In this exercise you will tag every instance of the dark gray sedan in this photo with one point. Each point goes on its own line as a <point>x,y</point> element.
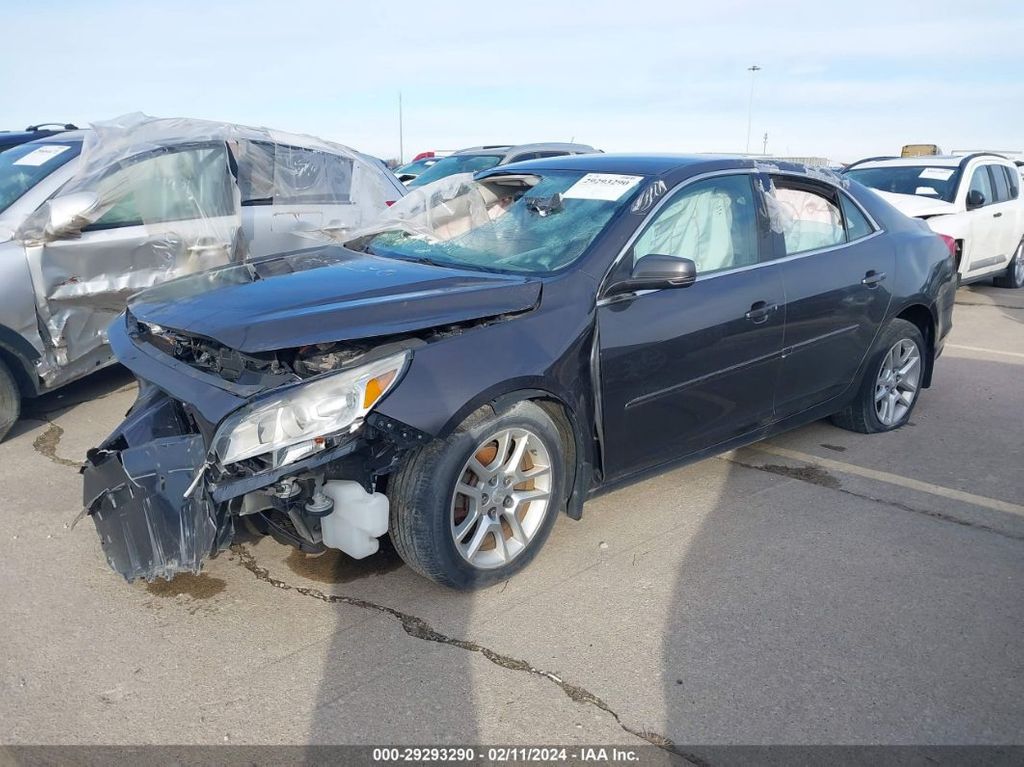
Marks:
<point>503,346</point>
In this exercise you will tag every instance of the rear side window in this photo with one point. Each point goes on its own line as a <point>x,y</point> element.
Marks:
<point>810,220</point>
<point>1012,180</point>
<point>1001,187</point>
<point>857,224</point>
<point>271,174</point>
<point>1015,180</point>
<point>980,182</point>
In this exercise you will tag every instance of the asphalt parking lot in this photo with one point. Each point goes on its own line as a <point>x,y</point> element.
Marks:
<point>826,587</point>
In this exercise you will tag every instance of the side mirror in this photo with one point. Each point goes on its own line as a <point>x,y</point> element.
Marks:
<point>656,272</point>
<point>975,199</point>
<point>68,212</point>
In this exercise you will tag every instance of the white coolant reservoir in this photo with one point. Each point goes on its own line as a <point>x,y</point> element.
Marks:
<point>359,518</point>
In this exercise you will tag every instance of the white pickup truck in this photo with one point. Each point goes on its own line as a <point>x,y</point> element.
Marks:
<point>975,199</point>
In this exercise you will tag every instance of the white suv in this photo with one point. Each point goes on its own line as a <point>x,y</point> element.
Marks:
<point>975,200</point>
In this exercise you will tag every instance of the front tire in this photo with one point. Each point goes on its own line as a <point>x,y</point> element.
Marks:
<point>475,508</point>
<point>1014,277</point>
<point>10,401</point>
<point>891,384</point>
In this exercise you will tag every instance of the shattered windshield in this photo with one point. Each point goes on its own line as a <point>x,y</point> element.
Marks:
<point>524,223</point>
<point>922,180</point>
<point>456,163</point>
<point>22,167</point>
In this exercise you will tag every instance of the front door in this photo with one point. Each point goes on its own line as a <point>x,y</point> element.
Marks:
<point>685,369</point>
<point>982,248</point>
<point>838,279</point>
<point>159,216</point>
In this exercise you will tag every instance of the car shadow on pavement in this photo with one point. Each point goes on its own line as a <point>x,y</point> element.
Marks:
<point>804,615</point>
<point>1008,301</point>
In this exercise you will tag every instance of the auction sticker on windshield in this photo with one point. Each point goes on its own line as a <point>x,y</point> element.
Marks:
<point>601,186</point>
<point>41,156</point>
<point>938,174</point>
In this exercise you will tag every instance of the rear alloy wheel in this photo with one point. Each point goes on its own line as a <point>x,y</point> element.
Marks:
<point>898,382</point>
<point>1014,277</point>
<point>891,384</point>
<point>10,401</point>
<point>476,507</point>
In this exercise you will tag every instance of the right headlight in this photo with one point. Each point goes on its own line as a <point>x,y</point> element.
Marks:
<point>294,424</point>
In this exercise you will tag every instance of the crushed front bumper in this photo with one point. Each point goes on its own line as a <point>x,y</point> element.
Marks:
<point>144,489</point>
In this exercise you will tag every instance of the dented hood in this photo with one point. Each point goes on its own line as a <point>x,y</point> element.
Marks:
<point>917,206</point>
<point>327,294</point>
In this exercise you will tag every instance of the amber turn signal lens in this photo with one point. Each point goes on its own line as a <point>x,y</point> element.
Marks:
<point>375,387</point>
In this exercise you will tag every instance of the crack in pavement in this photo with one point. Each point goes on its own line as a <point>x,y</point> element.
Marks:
<point>821,478</point>
<point>420,629</point>
<point>46,445</point>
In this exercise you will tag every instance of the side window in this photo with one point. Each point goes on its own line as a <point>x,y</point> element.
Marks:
<point>857,224</point>
<point>171,186</point>
<point>524,157</point>
<point>980,182</point>
<point>811,220</point>
<point>270,174</point>
<point>712,222</point>
<point>1000,187</point>
<point>1012,181</point>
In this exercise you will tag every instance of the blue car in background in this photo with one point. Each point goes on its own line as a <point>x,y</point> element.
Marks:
<point>10,138</point>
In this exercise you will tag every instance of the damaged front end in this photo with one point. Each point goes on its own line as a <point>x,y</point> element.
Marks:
<point>300,458</point>
<point>145,490</point>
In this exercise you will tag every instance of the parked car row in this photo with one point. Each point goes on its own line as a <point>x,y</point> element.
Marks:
<point>328,356</point>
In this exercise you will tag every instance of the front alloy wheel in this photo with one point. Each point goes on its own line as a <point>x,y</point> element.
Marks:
<point>474,508</point>
<point>501,499</point>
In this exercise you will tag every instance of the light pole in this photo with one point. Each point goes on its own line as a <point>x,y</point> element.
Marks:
<point>401,138</point>
<point>750,105</point>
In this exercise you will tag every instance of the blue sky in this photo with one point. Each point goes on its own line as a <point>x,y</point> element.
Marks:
<point>840,80</point>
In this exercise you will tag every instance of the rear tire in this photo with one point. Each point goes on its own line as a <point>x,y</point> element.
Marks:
<point>10,401</point>
<point>1014,277</point>
<point>441,506</point>
<point>891,385</point>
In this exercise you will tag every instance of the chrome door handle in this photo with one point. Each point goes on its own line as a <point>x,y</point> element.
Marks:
<point>872,278</point>
<point>759,311</point>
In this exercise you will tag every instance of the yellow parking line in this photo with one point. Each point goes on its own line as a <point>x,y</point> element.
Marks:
<point>892,479</point>
<point>984,350</point>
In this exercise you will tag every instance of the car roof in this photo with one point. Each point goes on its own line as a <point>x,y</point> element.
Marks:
<point>634,164</point>
<point>74,136</point>
<point>933,161</point>
<point>9,138</point>
<point>544,146</point>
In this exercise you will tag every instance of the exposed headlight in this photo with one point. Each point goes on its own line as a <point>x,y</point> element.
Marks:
<point>293,425</point>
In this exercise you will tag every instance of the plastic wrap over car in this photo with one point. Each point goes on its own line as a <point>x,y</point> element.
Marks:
<point>161,198</point>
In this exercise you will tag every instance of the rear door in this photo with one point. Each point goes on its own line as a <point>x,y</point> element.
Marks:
<point>837,270</point>
<point>1005,210</point>
<point>162,214</point>
<point>289,193</point>
<point>685,369</point>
